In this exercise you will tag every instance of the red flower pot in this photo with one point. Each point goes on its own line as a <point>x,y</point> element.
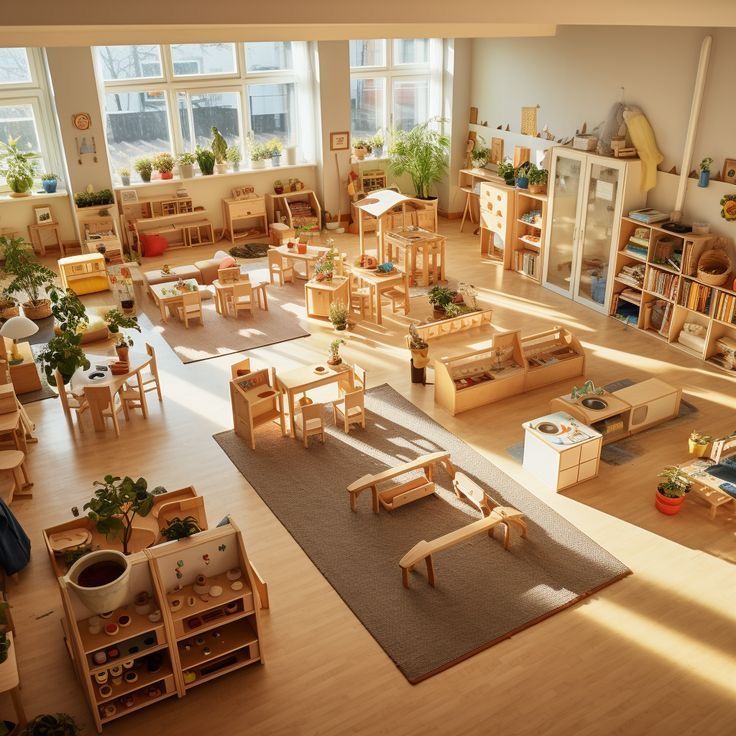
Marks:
<point>667,505</point>
<point>167,174</point>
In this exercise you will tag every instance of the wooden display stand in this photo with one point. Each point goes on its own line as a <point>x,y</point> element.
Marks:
<point>319,295</point>
<point>85,274</point>
<point>512,365</point>
<point>527,243</point>
<point>452,325</point>
<point>300,209</point>
<point>255,401</point>
<point>236,212</point>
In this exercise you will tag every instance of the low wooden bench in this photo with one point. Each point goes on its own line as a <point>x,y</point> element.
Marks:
<point>399,495</point>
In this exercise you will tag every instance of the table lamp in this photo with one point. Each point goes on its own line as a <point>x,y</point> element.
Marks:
<point>18,328</point>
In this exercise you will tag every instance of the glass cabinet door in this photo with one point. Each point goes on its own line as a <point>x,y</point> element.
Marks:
<point>593,267</point>
<point>559,272</point>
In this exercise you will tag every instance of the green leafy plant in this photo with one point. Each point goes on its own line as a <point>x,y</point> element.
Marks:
<point>706,163</point>
<point>505,169</point>
<point>124,171</point>
<point>675,483</point>
<point>538,176</point>
<point>440,297</point>
<point>18,167</point>
<point>524,169</point>
<point>187,158</point>
<point>699,438</point>
<point>422,154</point>
<point>58,724</point>
<point>144,167</point>
<point>163,162</point>
<point>117,502</point>
<point>480,155</point>
<point>63,351</point>
<point>335,350</point>
<point>219,146</point>
<point>94,199</point>
<point>362,143</point>
<point>29,277</point>
<point>378,141</point>
<point>205,159</point>
<point>48,176</point>
<point>178,528</point>
<point>234,155</point>
<point>117,321</point>
<point>7,300</point>
<point>339,315</point>
<point>259,152</point>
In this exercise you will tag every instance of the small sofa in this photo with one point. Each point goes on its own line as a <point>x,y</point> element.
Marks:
<point>211,266</point>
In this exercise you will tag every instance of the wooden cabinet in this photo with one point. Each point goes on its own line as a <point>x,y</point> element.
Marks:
<point>319,295</point>
<point>298,209</point>
<point>245,218</point>
<point>588,194</point>
<point>85,274</point>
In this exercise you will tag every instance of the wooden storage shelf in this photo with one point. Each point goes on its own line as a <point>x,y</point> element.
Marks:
<point>145,680</point>
<point>530,224</point>
<point>168,687</point>
<point>233,636</point>
<point>138,625</point>
<point>93,668</point>
<point>227,663</point>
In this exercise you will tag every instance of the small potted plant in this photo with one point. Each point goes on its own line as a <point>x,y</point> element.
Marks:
<point>537,180</point>
<point>361,148</point>
<point>334,353</point>
<point>440,297</point>
<point>234,156</point>
<point>29,277</point>
<point>144,167</point>
<point>219,148</point>
<point>506,172</point>
<point>185,162</point>
<point>58,724</point>
<point>672,490</point>
<point>8,305</point>
<point>522,174</point>
<point>480,156</point>
<point>705,165</point>
<point>18,167</point>
<point>339,315</point>
<point>377,143</point>
<point>164,164</point>
<point>278,187</point>
<point>258,153</point>
<point>698,444</point>
<point>178,528</point>
<point>116,322</point>
<point>124,176</point>
<point>49,182</point>
<point>419,355</point>
<point>206,160</point>
<point>275,148</point>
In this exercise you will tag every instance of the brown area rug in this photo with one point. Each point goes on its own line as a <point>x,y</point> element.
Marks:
<point>483,595</point>
<point>222,335</point>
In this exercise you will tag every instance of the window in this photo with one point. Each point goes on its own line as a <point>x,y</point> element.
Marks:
<point>393,84</point>
<point>168,98</point>
<point>25,108</point>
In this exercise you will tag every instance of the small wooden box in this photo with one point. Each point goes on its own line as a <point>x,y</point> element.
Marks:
<point>7,398</point>
<point>280,233</point>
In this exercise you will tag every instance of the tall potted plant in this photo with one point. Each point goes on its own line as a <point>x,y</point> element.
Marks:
<point>18,167</point>
<point>206,160</point>
<point>672,490</point>
<point>219,149</point>
<point>28,276</point>
<point>422,154</point>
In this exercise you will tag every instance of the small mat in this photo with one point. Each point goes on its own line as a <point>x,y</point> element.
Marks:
<point>484,594</point>
<point>249,250</point>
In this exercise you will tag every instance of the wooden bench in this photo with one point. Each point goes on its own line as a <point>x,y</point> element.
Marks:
<point>399,495</point>
<point>500,515</point>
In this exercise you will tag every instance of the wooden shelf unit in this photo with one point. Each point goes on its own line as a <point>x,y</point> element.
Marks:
<point>86,273</point>
<point>527,243</point>
<point>300,209</point>
<point>512,365</point>
<point>671,294</point>
<point>236,212</point>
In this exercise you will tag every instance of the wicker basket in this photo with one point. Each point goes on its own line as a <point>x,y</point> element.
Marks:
<point>40,311</point>
<point>714,267</point>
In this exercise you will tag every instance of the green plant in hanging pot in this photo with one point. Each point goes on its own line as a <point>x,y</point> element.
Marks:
<point>164,164</point>
<point>178,528</point>
<point>206,160</point>
<point>672,490</point>
<point>57,724</point>
<point>144,167</point>
<point>28,277</point>
<point>422,153</point>
<point>18,167</point>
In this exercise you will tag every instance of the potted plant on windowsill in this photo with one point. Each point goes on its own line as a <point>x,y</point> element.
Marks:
<point>49,182</point>
<point>164,164</point>
<point>124,176</point>
<point>29,277</point>
<point>361,148</point>
<point>537,180</point>
<point>377,143</point>
<point>422,154</point>
<point>698,444</point>
<point>206,160</point>
<point>186,162</point>
<point>18,167</point>
<point>672,490</point>
<point>705,165</point>
<point>234,157</point>
<point>219,148</point>
<point>144,167</point>
<point>275,148</point>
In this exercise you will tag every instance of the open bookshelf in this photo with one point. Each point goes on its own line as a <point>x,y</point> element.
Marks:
<point>657,290</point>
<point>528,239</point>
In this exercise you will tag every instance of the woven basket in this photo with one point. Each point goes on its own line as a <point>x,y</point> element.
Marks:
<point>714,267</point>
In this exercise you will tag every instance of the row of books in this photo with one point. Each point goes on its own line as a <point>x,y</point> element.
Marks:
<point>637,249</point>
<point>695,296</point>
<point>527,261</point>
<point>662,283</point>
<point>724,307</point>
<point>632,274</point>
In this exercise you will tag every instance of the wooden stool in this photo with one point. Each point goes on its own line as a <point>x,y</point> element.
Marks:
<point>15,461</point>
<point>36,234</point>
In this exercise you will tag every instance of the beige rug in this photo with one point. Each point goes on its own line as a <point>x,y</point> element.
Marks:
<point>220,335</point>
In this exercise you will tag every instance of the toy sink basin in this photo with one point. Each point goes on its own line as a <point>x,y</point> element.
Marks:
<point>548,428</point>
<point>595,403</point>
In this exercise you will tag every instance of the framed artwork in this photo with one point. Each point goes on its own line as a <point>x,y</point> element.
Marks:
<point>43,215</point>
<point>128,196</point>
<point>340,141</point>
<point>729,171</point>
<point>496,150</point>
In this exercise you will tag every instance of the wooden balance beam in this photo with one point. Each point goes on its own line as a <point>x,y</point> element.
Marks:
<point>399,495</point>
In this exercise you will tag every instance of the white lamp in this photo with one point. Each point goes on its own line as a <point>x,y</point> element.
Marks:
<point>18,328</point>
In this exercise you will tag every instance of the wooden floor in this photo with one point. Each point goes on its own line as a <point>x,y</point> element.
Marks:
<point>654,654</point>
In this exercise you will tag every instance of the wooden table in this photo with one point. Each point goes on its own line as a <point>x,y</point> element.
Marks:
<point>168,296</point>
<point>379,284</point>
<point>309,258</point>
<point>301,380</point>
<point>10,680</point>
<point>706,486</point>
<point>431,247</point>
<point>24,375</point>
<point>222,289</point>
<point>319,295</point>
<point>175,273</point>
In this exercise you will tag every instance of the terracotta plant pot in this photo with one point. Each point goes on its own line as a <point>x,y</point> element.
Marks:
<point>167,174</point>
<point>37,311</point>
<point>301,248</point>
<point>667,505</point>
<point>122,353</point>
<point>696,449</point>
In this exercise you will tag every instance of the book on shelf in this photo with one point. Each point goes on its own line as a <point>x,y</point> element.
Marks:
<point>648,215</point>
<point>662,283</point>
<point>631,295</point>
<point>664,330</point>
<point>695,296</point>
<point>639,241</point>
<point>724,307</point>
<point>637,250</point>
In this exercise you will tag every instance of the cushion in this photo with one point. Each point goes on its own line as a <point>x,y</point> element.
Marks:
<point>154,245</point>
<point>220,255</point>
<point>228,262</point>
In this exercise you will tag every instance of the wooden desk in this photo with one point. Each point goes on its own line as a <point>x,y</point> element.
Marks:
<point>10,680</point>
<point>431,247</point>
<point>301,380</point>
<point>379,284</point>
<point>319,295</point>
<point>314,252</point>
<point>24,375</point>
<point>167,296</point>
<point>706,486</point>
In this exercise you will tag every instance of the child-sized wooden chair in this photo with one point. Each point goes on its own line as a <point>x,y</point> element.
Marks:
<point>311,421</point>
<point>240,299</point>
<point>133,395</point>
<point>350,409</point>
<point>106,403</point>
<point>150,379</point>
<point>226,275</point>
<point>360,297</point>
<point>280,268</point>
<point>68,400</point>
<point>191,308</point>
<point>241,368</point>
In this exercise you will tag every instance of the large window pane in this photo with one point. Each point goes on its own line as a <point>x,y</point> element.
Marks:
<point>410,102</point>
<point>136,125</point>
<point>14,66</point>
<point>367,53</point>
<point>411,51</point>
<point>367,105</point>
<point>200,112</point>
<point>268,56</point>
<point>129,62</point>
<point>195,59</point>
<point>272,108</point>
<point>19,121</point>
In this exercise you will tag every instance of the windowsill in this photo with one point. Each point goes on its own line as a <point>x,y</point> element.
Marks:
<point>34,197</point>
<point>199,177</point>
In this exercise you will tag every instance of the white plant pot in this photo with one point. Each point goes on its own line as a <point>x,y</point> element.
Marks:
<point>291,155</point>
<point>220,168</point>
<point>106,597</point>
<point>276,160</point>
<point>260,164</point>
<point>186,171</point>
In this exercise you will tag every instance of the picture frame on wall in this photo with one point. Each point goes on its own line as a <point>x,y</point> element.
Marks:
<point>729,171</point>
<point>340,141</point>
<point>43,215</point>
<point>128,196</point>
